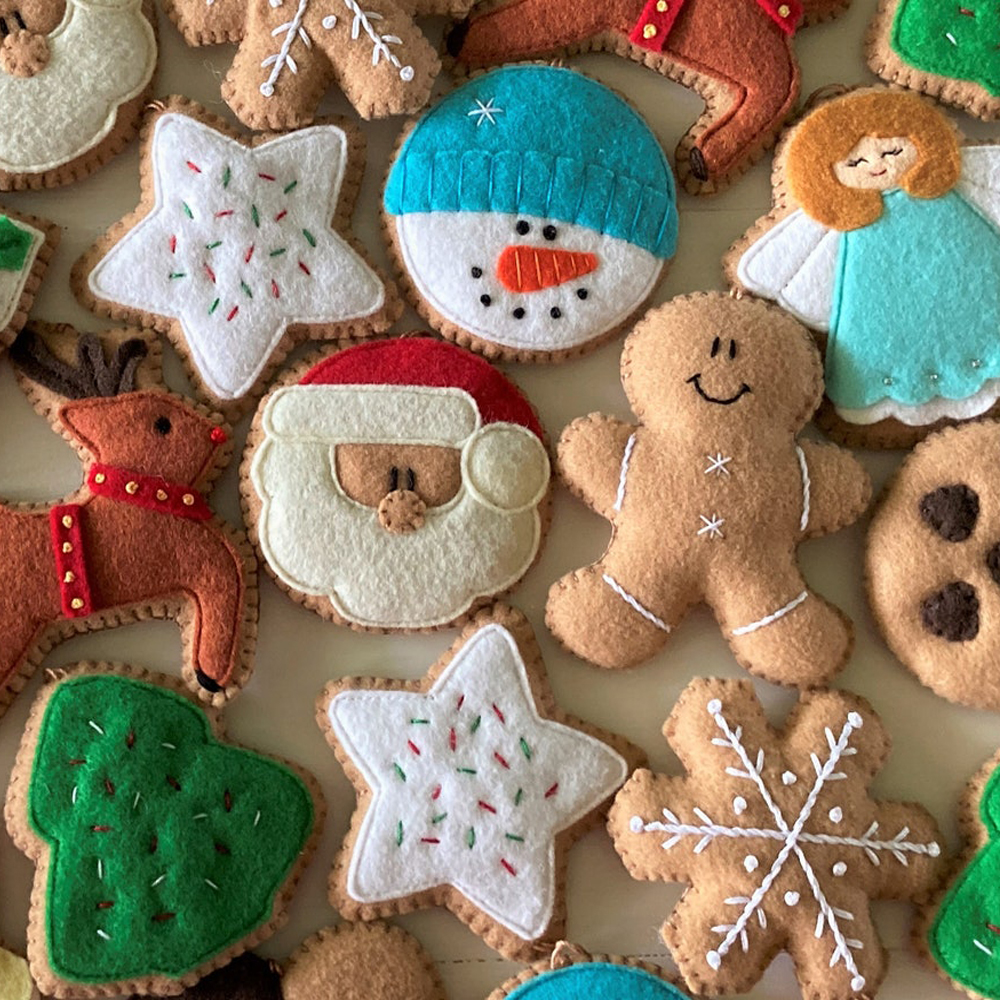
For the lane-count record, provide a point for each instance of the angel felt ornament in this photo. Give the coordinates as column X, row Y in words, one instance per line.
column 885, row 236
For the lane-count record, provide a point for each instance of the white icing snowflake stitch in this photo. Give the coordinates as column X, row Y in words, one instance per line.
column 485, row 112
column 470, row 785
column 238, row 246
column 795, row 836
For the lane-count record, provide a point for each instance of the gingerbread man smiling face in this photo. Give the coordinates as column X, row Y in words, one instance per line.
column 710, row 494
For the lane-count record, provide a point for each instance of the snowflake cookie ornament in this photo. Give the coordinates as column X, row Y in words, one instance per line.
column 778, row 839
column 238, row 248
column 472, row 784
column 532, row 213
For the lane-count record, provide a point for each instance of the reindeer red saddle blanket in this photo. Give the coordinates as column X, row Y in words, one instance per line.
column 658, row 17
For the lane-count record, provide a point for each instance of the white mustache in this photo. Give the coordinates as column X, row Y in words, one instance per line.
column 102, row 55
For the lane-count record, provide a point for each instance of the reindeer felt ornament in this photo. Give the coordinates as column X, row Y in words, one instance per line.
column 137, row 539
column 736, row 54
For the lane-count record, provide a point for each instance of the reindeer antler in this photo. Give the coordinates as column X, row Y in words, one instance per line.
column 92, row 375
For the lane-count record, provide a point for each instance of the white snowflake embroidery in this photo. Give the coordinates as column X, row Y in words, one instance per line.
column 712, row 526
column 717, row 464
column 485, row 112
column 792, row 837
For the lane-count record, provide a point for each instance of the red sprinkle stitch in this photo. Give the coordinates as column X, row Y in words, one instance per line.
column 452, row 739
column 552, row 791
column 413, row 746
column 429, row 840
column 436, row 794
column 966, row 12
column 162, row 918
column 994, row 928
column 266, row 177
column 222, row 215
column 304, row 268
column 274, row 289
column 249, row 254
column 105, row 905
column 232, row 314
column 281, row 215
column 109, row 786
column 76, row 762
column 101, row 829
column 461, row 702
column 499, row 759
column 486, row 806
column 499, row 714
column 210, row 273
column 194, row 167
column 508, row 866
column 173, row 244
column 227, row 800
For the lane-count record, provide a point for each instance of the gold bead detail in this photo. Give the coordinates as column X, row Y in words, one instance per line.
column 69, row 577
column 99, row 478
column 649, row 31
column 67, row 521
column 76, row 603
column 187, row 499
column 161, row 495
column 784, row 10
column 131, row 487
column 67, row 546
column 662, row 6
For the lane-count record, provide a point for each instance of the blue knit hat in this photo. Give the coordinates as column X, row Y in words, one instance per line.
column 540, row 141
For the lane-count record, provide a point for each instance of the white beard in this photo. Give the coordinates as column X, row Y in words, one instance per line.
column 102, row 55
column 320, row 542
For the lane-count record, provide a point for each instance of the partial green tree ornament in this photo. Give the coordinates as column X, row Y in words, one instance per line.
column 15, row 243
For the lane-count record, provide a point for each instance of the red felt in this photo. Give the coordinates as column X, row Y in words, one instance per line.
column 786, row 14
column 662, row 20
column 71, row 566
column 148, row 492
column 426, row 362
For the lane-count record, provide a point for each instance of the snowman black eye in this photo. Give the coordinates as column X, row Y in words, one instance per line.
column 486, row 300
column 522, row 228
column 550, row 232
column 555, row 312
column 582, row 293
column 476, row 272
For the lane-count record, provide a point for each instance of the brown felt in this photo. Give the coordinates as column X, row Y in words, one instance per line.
column 353, row 329
column 662, row 552
column 718, row 872
column 369, row 472
column 491, row 931
column 919, row 581
column 141, row 563
column 732, row 55
column 16, row 816
column 372, row 961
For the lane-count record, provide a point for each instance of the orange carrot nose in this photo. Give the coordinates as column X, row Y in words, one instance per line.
column 530, row 269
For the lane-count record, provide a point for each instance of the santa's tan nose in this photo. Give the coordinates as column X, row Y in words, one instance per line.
column 401, row 511
column 24, row 53
column 532, row 269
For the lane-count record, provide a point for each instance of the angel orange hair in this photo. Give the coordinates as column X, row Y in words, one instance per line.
column 829, row 133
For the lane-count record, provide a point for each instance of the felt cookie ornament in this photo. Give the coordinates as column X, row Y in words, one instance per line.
column 292, row 51
column 26, row 247
column 238, row 249
column 15, row 977
column 138, row 538
column 778, row 839
column 161, row 851
column 738, row 55
column 948, row 51
column 720, row 388
column 399, row 484
column 532, row 213
column 471, row 787
column 933, row 564
column 961, row 927
column 873, row 188
column 70, row 104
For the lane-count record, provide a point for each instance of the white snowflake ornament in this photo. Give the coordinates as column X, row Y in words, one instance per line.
column 471, row 784
column 795, row 866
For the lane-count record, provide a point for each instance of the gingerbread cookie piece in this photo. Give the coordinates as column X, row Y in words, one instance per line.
column 933, row 564
column 558, row 236
column 872, row 188
column 69, row 104
column 292, row 51
column 777, row 837
column 239, row 248
column 138, row 538
column 26, row 247
column 161, row 851
column 399, row 484
column 738, row 56
column 960, row 933
column 709, row 495
column 471, row 784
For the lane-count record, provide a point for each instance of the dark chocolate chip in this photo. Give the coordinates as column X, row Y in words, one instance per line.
column 951, row 511
column 952, row 612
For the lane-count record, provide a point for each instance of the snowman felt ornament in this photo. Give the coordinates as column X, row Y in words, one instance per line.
column 532, row 213
column 396, row 485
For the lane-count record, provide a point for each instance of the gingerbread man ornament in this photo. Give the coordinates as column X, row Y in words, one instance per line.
column 736, row 54
column 710, row 494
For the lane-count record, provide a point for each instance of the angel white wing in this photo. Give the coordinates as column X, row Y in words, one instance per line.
column 980, row 180
column 795, row 264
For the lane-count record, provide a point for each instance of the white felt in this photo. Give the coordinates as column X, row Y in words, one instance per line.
column 441, row 248
column 506, row 467
column 103, row 54
column 319, row 541
column 231, row 349
column 12, row 282
column 935, row 409
column 980, row 180
column 485, row 680
column 364, row 414
column 795, row 264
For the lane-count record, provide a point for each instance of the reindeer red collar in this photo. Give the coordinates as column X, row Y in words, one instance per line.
column 139, row 540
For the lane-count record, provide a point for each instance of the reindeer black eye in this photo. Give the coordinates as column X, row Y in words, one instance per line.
column 522, row 228
column 162, row 425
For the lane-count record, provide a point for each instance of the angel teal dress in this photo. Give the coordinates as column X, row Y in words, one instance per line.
column 916, row 305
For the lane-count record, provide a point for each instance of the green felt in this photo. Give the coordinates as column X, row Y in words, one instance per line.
column 15, row 243
column 157, row 829
column 958, row 40
column 971, row 910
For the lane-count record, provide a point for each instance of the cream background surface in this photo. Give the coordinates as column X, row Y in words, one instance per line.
column 936, row 745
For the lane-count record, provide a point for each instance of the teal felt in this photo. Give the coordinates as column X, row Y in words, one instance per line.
column 596, row 981
column 128, row 784
column 916, row 311
column 970, row 912
column 543, row 142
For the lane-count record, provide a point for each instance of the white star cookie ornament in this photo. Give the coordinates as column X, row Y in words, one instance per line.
column 239, row 248
column 471, row 786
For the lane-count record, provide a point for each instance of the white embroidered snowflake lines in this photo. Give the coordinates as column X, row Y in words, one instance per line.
column 778, row 836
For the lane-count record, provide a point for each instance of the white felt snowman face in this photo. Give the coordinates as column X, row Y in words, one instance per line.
column 523, row 282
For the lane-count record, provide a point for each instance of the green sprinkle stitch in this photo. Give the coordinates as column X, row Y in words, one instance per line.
column 246, row 289
column 399, row 833
column 420, row 722
column 227, row 176
column 213, row 307
column 466, row 770
column 310, row 239
column 255, row 215
column 470, row 837
column 213, row 245
column 401, row 774
column 278, row 252
column 525, row 749
column 519, row 796
column 187, row 209
column 439, row 817
column 514, row 836
column 177, row 274
column 475, row 724
column 291, row 187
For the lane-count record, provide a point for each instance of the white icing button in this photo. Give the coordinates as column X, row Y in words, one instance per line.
column 739, row 805
column 836, row 814
column 839, row 869
column 791, row 898
column 330, row 21
column 406, row 74
column 858, row 983
column 714, row 706
column 750, row 863
column 267, row 89
column 855, row 720
column 714, row 959
column 788, row 778
column 635, row 824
